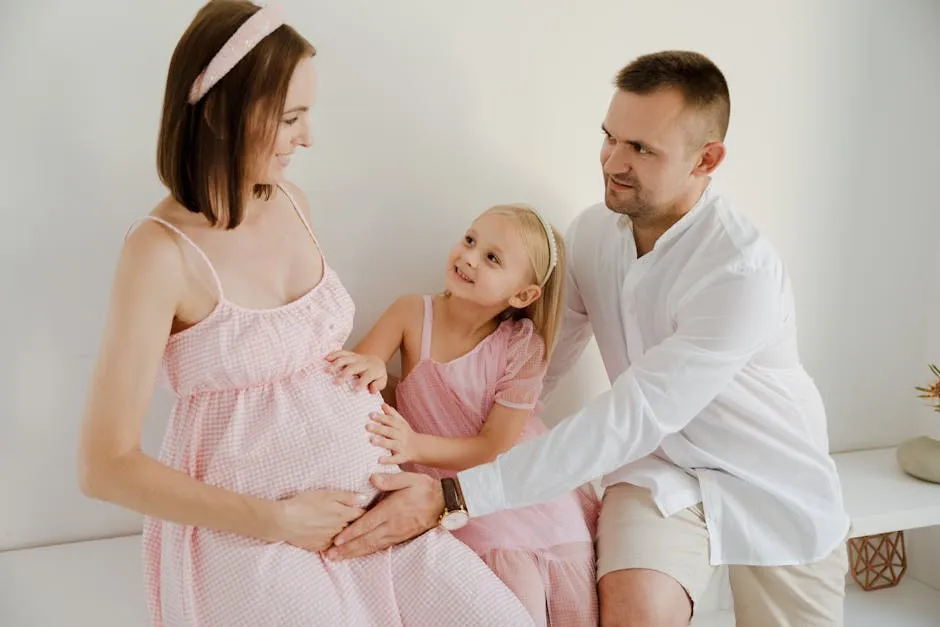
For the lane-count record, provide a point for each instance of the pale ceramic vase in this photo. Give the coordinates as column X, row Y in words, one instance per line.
column 920, row 458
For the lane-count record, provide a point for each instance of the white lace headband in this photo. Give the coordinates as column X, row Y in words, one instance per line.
column 552, row 245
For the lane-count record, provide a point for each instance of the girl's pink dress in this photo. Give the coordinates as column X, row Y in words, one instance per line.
column 545, row 552
column 258, row 414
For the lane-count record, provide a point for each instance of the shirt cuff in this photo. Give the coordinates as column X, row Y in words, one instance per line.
column 482, row 490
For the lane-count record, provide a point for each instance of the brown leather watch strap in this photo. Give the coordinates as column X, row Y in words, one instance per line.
column 453, row 495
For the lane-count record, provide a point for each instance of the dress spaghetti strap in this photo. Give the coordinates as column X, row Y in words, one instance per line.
column 300, row 214
column 426, row 329
column 186, row 238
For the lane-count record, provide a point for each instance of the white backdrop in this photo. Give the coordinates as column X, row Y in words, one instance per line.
column 428, row 113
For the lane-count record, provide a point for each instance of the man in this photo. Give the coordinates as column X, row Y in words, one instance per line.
column 712, row 439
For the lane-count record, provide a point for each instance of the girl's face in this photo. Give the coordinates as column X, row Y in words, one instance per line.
column 490, row 265
column 293, row 129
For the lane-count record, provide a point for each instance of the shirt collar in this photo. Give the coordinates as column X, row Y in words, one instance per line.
column 682, row 223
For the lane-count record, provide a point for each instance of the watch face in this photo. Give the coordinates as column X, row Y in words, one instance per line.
column 454, row 520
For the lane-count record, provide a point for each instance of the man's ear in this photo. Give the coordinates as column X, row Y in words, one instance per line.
column 525, row 297
column 710, row 157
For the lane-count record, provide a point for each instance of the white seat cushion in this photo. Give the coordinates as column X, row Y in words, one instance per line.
column 99, row 583
column 85, row 584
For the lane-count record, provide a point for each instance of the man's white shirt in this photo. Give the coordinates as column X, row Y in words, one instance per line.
column 708, row 402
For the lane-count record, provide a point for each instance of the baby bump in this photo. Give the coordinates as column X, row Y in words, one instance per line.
column 303, row 434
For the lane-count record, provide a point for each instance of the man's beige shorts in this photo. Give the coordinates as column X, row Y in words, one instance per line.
column 633, row 534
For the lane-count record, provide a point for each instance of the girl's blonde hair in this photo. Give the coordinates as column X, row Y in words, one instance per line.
column 545, row 311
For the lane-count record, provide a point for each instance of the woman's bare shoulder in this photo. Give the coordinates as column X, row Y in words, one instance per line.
column 152, row 247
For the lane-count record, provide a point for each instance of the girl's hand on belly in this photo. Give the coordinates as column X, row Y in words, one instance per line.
column 363, row 371
column 392, row 432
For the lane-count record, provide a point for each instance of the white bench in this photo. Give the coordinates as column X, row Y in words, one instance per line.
column 99, row 583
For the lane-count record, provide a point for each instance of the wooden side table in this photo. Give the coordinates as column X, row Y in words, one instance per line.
column 882, row 502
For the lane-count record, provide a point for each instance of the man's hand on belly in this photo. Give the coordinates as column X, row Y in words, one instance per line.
column 413, row 504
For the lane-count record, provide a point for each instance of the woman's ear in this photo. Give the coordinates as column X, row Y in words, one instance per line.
column 526, row 297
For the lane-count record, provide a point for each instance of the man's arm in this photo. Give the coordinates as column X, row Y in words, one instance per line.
column 718, row 330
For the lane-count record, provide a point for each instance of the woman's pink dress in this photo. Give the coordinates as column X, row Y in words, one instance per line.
column 544, row 552
column 258, row 414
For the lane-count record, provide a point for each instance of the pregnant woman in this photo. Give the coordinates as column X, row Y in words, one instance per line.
column 223, row 292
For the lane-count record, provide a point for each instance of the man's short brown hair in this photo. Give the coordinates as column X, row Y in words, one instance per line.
column 694, row 75
column 208, row 152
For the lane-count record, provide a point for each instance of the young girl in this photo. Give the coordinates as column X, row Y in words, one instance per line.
column 472, row 366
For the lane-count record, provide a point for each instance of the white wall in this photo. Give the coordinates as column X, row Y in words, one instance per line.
column 428, row 113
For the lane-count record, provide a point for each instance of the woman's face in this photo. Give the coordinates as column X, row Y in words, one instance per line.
column 293, row 129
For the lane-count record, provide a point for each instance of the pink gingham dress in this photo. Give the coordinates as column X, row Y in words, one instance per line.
column 258, row 414
column 545, row 552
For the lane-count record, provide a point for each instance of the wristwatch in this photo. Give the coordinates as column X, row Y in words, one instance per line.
column 455, row 513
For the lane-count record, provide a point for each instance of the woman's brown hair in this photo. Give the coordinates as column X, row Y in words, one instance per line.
column 208, row 153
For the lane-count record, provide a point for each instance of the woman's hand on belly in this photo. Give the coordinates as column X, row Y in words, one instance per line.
column 310, row 520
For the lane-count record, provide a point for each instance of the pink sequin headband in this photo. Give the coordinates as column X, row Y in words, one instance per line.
column 264, row 22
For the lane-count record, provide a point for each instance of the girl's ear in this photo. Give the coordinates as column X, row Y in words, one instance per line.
column 526, row 297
